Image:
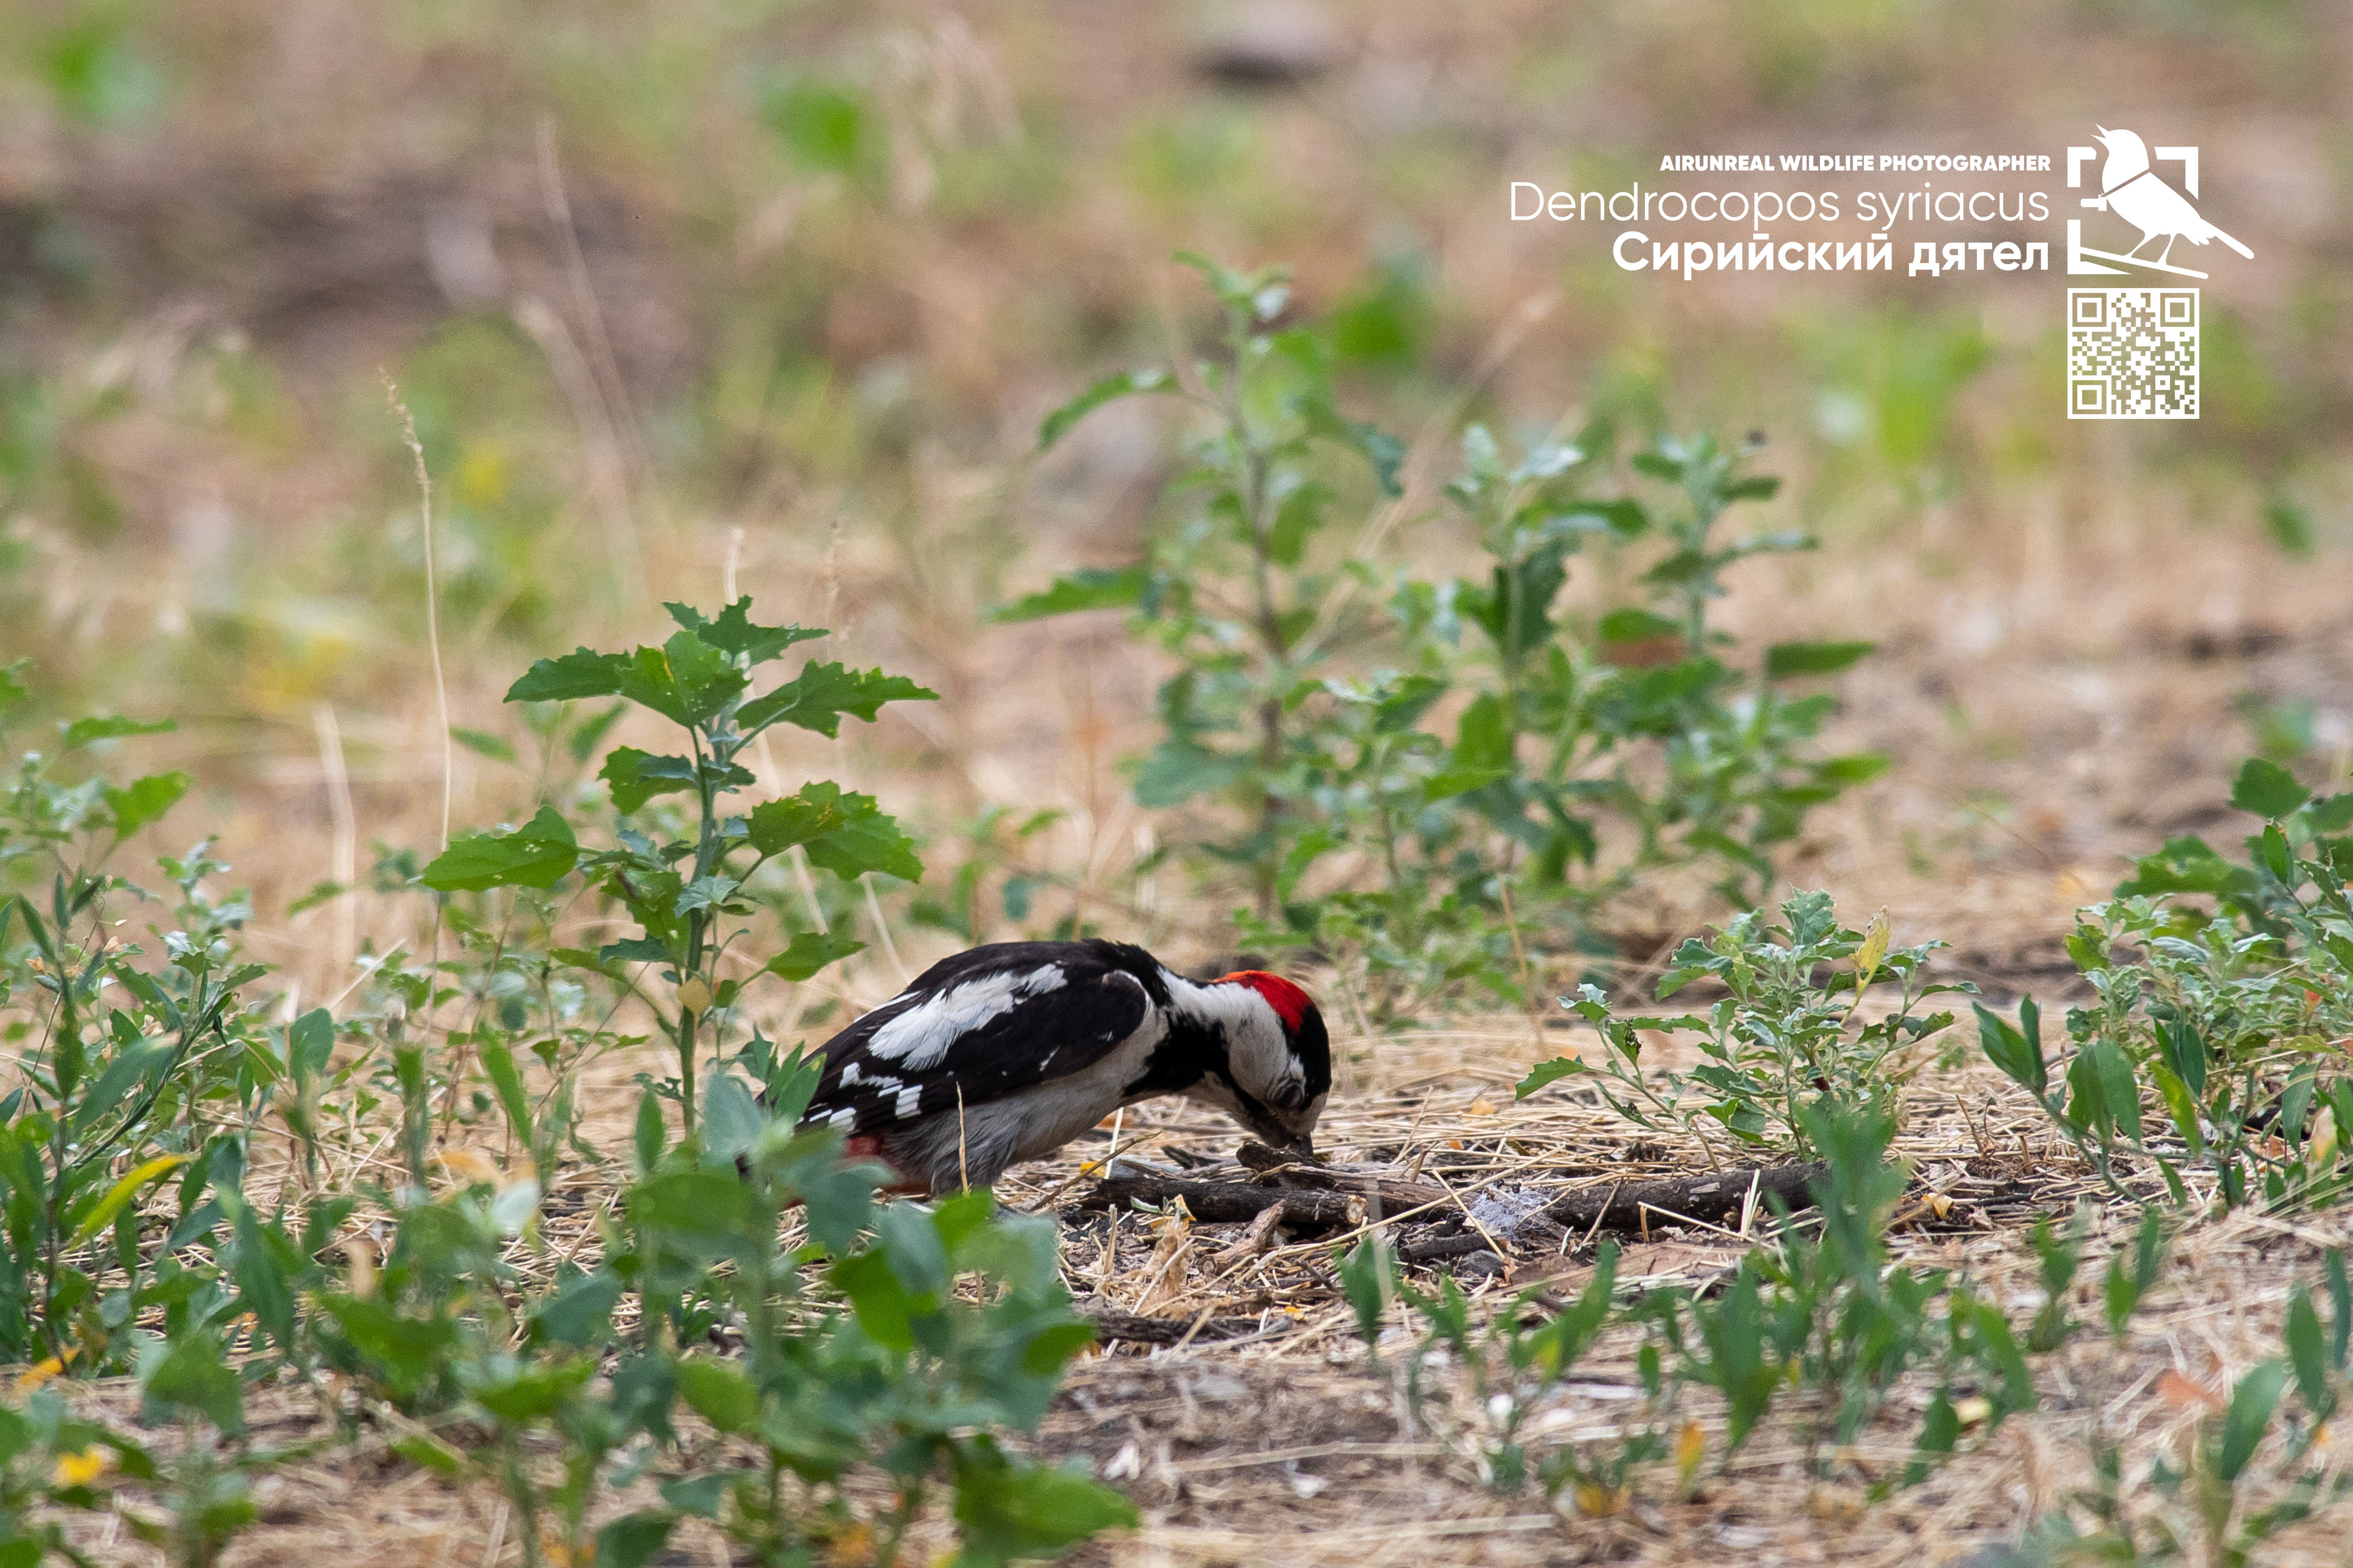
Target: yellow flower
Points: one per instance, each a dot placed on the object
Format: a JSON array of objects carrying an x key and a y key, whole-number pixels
[
  {"x": 81, "y": 1469},
  {"x": 33, "y": 1376}
]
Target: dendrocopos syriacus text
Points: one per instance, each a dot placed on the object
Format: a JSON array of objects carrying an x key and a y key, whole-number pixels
[{"x": 1006, "y": 1052}]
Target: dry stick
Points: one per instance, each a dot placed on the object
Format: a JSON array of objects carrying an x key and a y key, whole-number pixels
[
  {"x": 432, "y": 591},
  {"x": 1520, "y": 954},
  {"x": 882, "y": 927},
  {"x": 440, "y": 698}
]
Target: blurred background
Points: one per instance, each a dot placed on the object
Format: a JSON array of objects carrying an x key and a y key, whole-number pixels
[{"x": 721, "y": 295}]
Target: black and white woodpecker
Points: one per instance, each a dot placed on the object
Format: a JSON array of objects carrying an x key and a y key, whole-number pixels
[{"x": 1009, "y": 1051}]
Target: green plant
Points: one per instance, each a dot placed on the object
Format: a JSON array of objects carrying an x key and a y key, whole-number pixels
[
  {"x": 1783, "y": 1039},
  {"x": 2233, "y": 1021},
  {"x": 1512, "y": 1358},
  {"x": 682, "y": 891},
  {"x": 912, "y": 1380},
  {"x": 117, "y": 1061},
  {"x": 2198, "y": 1510},
  {"x": 1305, "y": 676},
  {"x": 1822, "y": 1314}
]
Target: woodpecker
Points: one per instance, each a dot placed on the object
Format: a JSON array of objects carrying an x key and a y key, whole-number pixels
[{"x": 1009, "y": 1051}]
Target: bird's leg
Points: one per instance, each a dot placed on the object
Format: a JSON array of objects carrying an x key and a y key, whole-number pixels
[
  {"x": 2169, "y": 248},
  {"x": 2135, "y": 249}
]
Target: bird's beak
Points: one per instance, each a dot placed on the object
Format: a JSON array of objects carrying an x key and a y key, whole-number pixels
[{"x": 1301, "y": 1145}]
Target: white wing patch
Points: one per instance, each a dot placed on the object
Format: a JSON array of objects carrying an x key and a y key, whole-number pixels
[
  {"x": 918, "y": 1038},
  {"x": 910, "y": 1099}
]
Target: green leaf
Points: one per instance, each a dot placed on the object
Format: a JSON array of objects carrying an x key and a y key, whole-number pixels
[
  {"x": 635, "y": 777},
  {"x": 580, "y": 1314},
  {"x": 428, "y": 1452},
  {"x": 1368, "y": 1279},
  {"x": 483, "y": 743},
  {"x": 1010, "y": 1509},
  {"x": 817, "y": 697},
  {"x": 82, "y": 732},
  {"x": 1105, "y": 589},
  {"x": 2251, "y": 1403},
  {"x": 686, "y": 681},
  {"x": 718, "y": 1393},
  {"x": 1784, "y": 659},
  {"x": 705, "y": 1208},
  {"x": 2307, "y": 1354},
  {"x": 12, "y": 684},
  {"x": 1637, "y": 626},
  {"x": 409, "y": 1350},
  {"x": 885, "y": 1311},
  {"x": 2119, "y": 1091},
  {"x": 632, "y": 1539},
  {"x": 731, "y": 1117},
  {"x": 536, "y": 854},
  {"x": 1110, "y": 389},
  {"x": 1625, "y": 517},
  {"x": 843, "y": 832},
  {"x": 190, "y": 1375},
  {"x": 1297, "y": 520},
  {"x": 734, "y": 632},
  {"x": 2267, "y": 789},
  {"x": 145, "y": 800},
  {"x": 1544, "y": 1073},
  {"x": 648, "y": 1135},
  {"x": 506, "y": 1082},
  {"x": 811, "y": 950},
  {"x": 823, "y": 125},
  {"x": 583, "y": 672},
  {"x": 534, "y": 1390},
  {"x": 1383, "y": 451},
  {"x": 311, "y": 1043},
  {"x": 1179, "y": 770},
  {"x": 2018, "y": 1057},
  {"x": 1456, "y": 779},
  {"x": 1483, "y": 737}
]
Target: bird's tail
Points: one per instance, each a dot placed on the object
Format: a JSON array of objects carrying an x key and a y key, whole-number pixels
[{"x": 2232, "y": 243}]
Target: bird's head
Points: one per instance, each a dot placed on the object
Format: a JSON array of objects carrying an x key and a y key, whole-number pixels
[
  {"x": 1278, "y": 1058},
  {"x": 2127, "y": 154}
]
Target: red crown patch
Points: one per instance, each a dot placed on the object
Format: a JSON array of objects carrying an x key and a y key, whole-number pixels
[{"x": 1289, "y": 1002}]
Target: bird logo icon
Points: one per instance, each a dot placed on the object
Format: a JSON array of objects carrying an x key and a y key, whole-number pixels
[{"x": 2132, "y": 189}]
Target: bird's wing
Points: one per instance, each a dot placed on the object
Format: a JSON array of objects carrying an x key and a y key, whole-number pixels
[{"x": 978, "y": 1035}]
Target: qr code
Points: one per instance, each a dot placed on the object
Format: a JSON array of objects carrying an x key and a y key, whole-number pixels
[{"x": 2132, "y": 353}]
